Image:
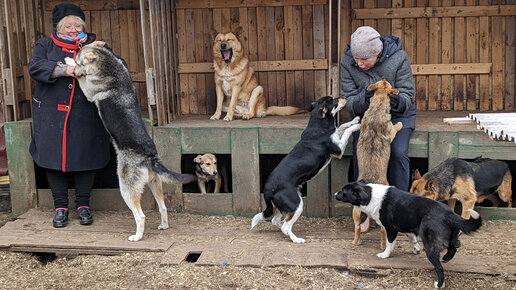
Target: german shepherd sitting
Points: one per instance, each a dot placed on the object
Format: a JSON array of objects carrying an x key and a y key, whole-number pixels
[
  {"x": 235, "y": 79},
  {"x": 469, "y": 182},
  {"x": 319, "y": 142},
  {"x": 106, "y": 82},
  {"x": 401, "y": 212},
  {"x": 374, "y": 144}
]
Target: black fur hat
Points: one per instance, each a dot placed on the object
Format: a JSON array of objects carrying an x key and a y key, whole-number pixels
[{"x": 62, "y": 10}]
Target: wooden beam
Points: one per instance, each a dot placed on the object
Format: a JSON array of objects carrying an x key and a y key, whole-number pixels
[
  {"x": 97, "y": 5},
  {"x": 187, "y": 4},
  {"x": 451, "y": 69},
  {"x": 429, "y": 12},
  {"x": 283, "y": 65}
]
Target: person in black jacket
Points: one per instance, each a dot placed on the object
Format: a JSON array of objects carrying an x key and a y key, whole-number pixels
[{"x": 69, "y": 140}]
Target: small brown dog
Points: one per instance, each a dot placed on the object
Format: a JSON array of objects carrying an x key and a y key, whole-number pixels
[
  {"x": 469, "y": 182},
  {"x": 236, "y": 80},
  {"x": 206, "y": 170},
  {"x": 374, "y": 144}
]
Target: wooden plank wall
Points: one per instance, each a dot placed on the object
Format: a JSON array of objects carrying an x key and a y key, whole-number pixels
[
  {"x": 22, "y": 23},
  {"x": 286, "y": 40},
  {"x": 438, "y": 36}
]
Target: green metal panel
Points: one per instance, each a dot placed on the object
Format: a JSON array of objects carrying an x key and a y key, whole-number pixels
[
  {"x": 219, "y": 204},
  {"x": 168, "y": 144},
  {"x": 278, "y": 140},
  {"x": 318, "y": 196},
  {"x": 246, "y": 171},
  {"x": 441, "y": 146},
  {"x": 21, "y": 167},
  {"x": 206, "y": 140}
]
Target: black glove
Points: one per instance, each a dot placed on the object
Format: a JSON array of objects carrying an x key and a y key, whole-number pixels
[
  {"x": 397, "y": 103},
  {"x": 367, "y": 96}
]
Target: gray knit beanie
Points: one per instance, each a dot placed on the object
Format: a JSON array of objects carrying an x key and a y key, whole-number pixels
[{"x": 365, "y": 42}]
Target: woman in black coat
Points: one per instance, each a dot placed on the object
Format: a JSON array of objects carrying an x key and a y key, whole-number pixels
[{"x": 69, "y": 140}]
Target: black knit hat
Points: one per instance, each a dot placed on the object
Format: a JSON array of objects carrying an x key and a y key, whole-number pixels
[{"x": 62, "y": 10}]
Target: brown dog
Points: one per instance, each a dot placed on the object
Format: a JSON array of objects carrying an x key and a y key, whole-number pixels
[
  {"x": 374, "y": 144},
  {"x": 469, "y": 182},
  {"x": 235, "y": 79},
  {"x": 206, "y": 170}
]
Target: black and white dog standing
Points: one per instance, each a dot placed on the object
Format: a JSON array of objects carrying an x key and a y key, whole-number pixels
[
  {"x": 319, "y": 142},
  {"x": 400, "y": 211}
]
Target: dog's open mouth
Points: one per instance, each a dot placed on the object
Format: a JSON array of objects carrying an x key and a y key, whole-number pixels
[{"x": 227, "y": 54}]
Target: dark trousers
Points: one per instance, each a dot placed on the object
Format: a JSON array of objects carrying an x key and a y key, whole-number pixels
[
  {"x": 398, "y": 173},
  {"x": 59, "y": 182}
]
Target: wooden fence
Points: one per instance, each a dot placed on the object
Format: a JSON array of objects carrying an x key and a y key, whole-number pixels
[{"x": 462, "y": 52}]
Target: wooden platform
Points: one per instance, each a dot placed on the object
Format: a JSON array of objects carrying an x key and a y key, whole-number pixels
[{"x": 229, "y": 240}]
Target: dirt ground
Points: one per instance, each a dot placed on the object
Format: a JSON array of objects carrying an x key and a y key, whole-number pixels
[{"x": 145, "y": 270}]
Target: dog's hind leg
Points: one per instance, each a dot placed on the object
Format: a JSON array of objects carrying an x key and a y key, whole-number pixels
[
  {"x": 290, "y": 219},
  {"x": 453, "y": 244},
  {"x": 433, "y": 245},
  {"x": 156, "y": 186},
  {"x": 505, "y": 189},
  {"x": 256, "y": 94},
  {"x": 464, "y": 188},
  {"x": 131, "y": 191}
]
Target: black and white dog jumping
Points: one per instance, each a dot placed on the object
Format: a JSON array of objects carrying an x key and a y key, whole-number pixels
[
  {"x": 319, "y": 142},
  {"x": 400, "y": 211}
]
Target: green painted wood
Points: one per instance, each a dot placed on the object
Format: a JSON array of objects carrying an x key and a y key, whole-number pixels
[
  {"x": 418, "y": 144},
  {"x": 246, "y": 171},
  {"x": 339, "y": 171},
  {"x": 473, "y": 144},
  {"x": 441, "y": 146},
  {"x": 206, "y": 140},
  {"x": 168, "y": 144},
  {"x": 215, "y": 204},
  {"x": 496, "y": 213},
  {"x": 21, "y": 167},
  {"x": 318, "y": 195},
  {"x": 278, "y": 140}
]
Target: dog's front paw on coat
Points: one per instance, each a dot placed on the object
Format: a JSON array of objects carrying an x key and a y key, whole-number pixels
[{"x": 69, "y": 61}]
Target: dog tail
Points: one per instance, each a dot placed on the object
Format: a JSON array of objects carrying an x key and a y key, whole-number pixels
[
  {"x": 283, "y": 111},
  {"x": 170, "y": 176},
  {"x": 265, "y": 214},
  {"x": 471, "y": 225}
]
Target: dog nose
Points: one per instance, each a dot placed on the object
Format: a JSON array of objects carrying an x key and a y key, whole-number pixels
[
  {"x": 215, "y": 172},
  {"x": 223, "y": 46}
]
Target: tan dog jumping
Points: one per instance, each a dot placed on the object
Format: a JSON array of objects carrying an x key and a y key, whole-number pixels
[
  {"x": 238, "y": 92},
  {"x": 374, "y": 144}
]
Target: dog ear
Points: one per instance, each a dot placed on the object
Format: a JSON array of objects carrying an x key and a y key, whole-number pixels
[
  {"x": 90, "y": 56},
  {"x": 198, "y": 159},
  {"x": 372, "y": 87},
  {"x": 417, "y": 175},
  {"x": 99, "y": 43},
  {"x": 238, "y": 31}
]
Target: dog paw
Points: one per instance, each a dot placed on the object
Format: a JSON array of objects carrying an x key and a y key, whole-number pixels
[
  {"x": 227, "y": 119},
  {"x": 215, "y": 117},
  {"x": 355, "y": 128},
  {"x": 356, "y": 120},
  {"x": 437, "y": 283},
  {"x": 298, "y": 240},
  {"x": 69, "y": 61},
  {"x": 382, "y": 255},
  {"x": 162, "y": 227},
  {"x": 416, "y": 249},
  {"x": 134, "y": 238},
  {"x": 246, "y": 117}
]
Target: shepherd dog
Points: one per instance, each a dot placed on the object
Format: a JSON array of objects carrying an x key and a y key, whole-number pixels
[
  {"x": 400, "y": 211},
  {"x": 374, "y": 146},
  {"x": 206, "y": 171},
  {"x": 320, "y": 141},
  {"x": 469, "y": 182},
  {"x": 237, "y": 89},
  {"x": 106, "y": 82}
]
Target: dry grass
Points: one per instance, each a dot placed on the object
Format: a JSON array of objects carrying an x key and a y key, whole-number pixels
[{"x": 145, "y": 271}]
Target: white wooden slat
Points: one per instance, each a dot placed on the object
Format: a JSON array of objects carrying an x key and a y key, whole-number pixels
[{"x": 499, "y": 126}]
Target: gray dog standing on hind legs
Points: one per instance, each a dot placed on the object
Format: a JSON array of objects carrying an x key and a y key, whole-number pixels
[{"x": 106, "y": 82}]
